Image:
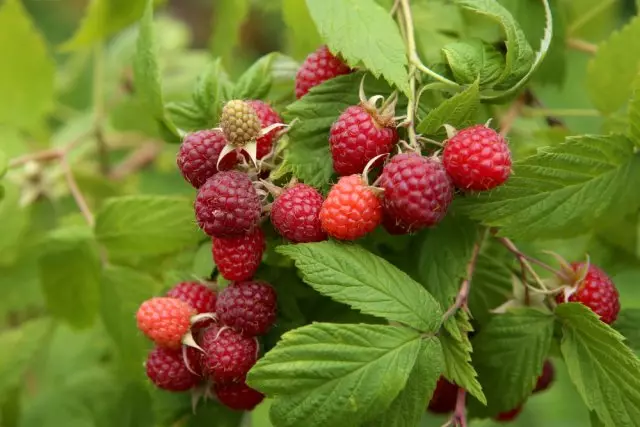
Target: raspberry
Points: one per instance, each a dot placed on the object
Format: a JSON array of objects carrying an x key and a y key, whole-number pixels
[
  {"x": 417, "y": 191},
  {"x": 358, "y": 136},
  {"x": 597, "y": 292},
  {"x": 166, "y": 369},
  {"x": 198, "y": 156},
  {"x": 238, "y": 396},
  {"x": 268, "y": 117},
  {"x": 165, "y": 320},
  {"x": 444, "y": 397},
  {"x": 318, "y": 67},
  {"x": 351, "y": 209},
  {"x": 546, "y": 377},
  {"x": 227, "y": 205},
  {"x": 509, "y": 415},
  {"x": 249, "y": 307},
  {"x": 194, "y": 358},
  {"x": 228, "y": 356},
  {"x": 295, "y": 214},
  {"x": 239, "y": 122},
  {"x": 238, "y": 258},
  {"x": 477, "y": 158},
  {"x": 196, "y": 295},
  {"x": 393, "y": 226}
]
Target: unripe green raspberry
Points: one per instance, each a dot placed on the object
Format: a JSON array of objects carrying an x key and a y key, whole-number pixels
[{"x": 239, "y": 122}]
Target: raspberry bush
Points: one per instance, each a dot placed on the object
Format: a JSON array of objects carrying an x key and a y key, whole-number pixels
[{"x": 358, "y": 213}]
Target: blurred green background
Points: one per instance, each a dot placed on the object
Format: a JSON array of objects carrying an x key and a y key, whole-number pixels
[{"x": 69, "y": 385}]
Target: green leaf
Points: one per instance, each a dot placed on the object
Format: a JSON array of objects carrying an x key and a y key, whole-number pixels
[
  {"x": 605, "y": 372},
  {"x": 133, "y": 407},
  {"x": 147, "y": 75},
  {"x": 14, "y": 223},
  {"x": 102, "y": 19},
  {"x": 474, "y": 60},
  {"x": 69, "y": 269},
  {"x": 634, "y": 113},
  {"x": 364, "y": 33},
  {"x": 214, "y": 414},
  {"x": 509, "y": 353},
  {"x": 4, "y": 164},
  {"x": 326, "y": 374},
  {"x": 10, "y": 402},
  {"x": 122, "y": 291},
  {"x": 614, "y": 67},
  {"x": 595, "y": 421},
  {"x": 228, "y": 19},
  {"x": 441, "y": 268},
  {"x": 21, "y": 344},
  {"x": 458, "y": 111},
  {"x": 27, "y": 73},
  {"x": 146, "y": 225},
  {"x": 352, "y": 275},
  {"x": 552, "y": 193},
  {"x": 408, "y": 407},
  {"x": 628, "y": 324},
  {"x": 302, "y": 36},
  {"x": 255, "y": 83},
  {"x": 457, "y": 357}
]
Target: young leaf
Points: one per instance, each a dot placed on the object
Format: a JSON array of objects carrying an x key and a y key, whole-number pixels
[
  {"x": 146, "y": 225},
  {"x": 122, "y": 290},
  {"x": 614, "y": 67},
  {"x": 302, "y": 36},
  {"x": 228, "y": 19},
  {"x": 441, "y": 268},
  {"x": 256, "y": 81},
  {"x": 605, "y": 372},
  {"x": 102, "y": 19},
  {"x": 509, "y": 353},
  {"x": 364, "y": 33},
  {"x": 69, "y": 269},
  {"x": 634, "y": 112},
  {"x": 408, "y": 407},
  {"x": 628, "y": 324},
  {"x": 351, "y": 275},
  {"x": 474, "y": 60},
  {"x": 553, "y": 192},
  {"x": 147, "y": 74},
  {"x": 27, "y": 73},
  {"x": 458, "y": 111},
  {"x": 328, "y": 374}
]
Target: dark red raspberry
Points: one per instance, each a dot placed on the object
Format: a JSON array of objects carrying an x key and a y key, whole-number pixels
[
  {"x": 268, "y": 116},
  {"x": 295, "y": 214},
  {"x": 165, "y": 320},
  {"x": 238, "y": 258},
  {"x": 198, "y": 156},
  {"x": 394, "y": 226},
  {"x": 194, "y": 358},
  {"x": 356, "y": 137},
  {"x": 196, "y": 295},
  {"x": 546, "y": 377},
  {"x": 249, "y": 307},
  {"x": 318, "y": 67},
  {"x": 228, "y": 355},
  {"x": 444, "y": 397},
  {"x": 507, "y": 416},
  {"x": 417, "y": 190},
  {"x": 227, "y": 205},
  {"x": 597, "y": 291},
  {"x": 167, "y": 370},
  {"x": 238, "y": 396},
  {"x": 351, "y": 209},
  {"x": 477, "y": 158}
]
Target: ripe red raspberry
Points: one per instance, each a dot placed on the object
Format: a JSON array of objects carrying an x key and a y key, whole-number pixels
[
  {"x": 228, "y": 356},
  {"x": 597, "y": 291},
  {"x": 196, "y": 295},
  {"x": 358, "y": 136},
  {"x": 295, "y": 214},
  {"x": 351, "y": 209},
  {"x": 268, "y": 117},
  {"x": 444, "y": 397},
  {"x": 318, "y": 67},
  {"x": 166, "y": 369},
  {"x": 238, "y": 258},
  {"x": 546, "y": 377},
  {"x": 477, "y": 158},
  {"x": 507, "y": 416},
  {"x": 165, "y": 320},
  {"x": 249, "y": 307},
  {"x": 238, "y": 396},
  {"x": 417, "y": 191},
  {"x": 227, "y": 205},
  {"x": 198, "y": 156}
]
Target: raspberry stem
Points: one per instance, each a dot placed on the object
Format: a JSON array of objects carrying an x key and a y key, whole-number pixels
[{"x": 526, "y": 261}]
